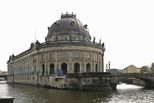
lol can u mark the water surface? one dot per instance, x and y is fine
(31, 94)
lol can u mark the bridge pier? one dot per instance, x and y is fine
(113, 86)
(113, 82)
(88, 81)
(6, 100)
(149, 82)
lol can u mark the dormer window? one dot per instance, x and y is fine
(73, 23)
(56, 24)
(85, 26)
(68, 24)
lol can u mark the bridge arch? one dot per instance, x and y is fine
(148, 79)
(3, 77)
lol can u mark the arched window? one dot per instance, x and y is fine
(96, 68)
(88, 67)
(52, 71)
(76, 68)
(43, 69)
(64, 68)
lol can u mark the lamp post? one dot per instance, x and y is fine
(109, 65)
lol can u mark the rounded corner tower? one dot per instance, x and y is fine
(70, 42)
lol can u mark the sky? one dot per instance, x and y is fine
(125, 26)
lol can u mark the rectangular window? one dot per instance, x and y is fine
(42, 57)
(88, 55)
(96, 57)
(51, 55)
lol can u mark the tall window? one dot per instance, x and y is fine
(52, 71)
(43, 69)
(64, 68)
(76, 68)
(96, 68)
(34, 65)
(51, 55)
(42, 57)
(88, 67)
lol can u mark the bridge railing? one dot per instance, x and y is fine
(90, 74)
(132, 74)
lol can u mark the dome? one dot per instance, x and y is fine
(68, 25)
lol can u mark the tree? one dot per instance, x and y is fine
(144, 69)
(152, 67)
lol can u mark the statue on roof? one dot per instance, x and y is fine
(94, 40)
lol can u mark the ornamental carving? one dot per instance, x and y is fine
(63, 55)
(51, 55)
(77, 56)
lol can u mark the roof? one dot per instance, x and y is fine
(68, 24)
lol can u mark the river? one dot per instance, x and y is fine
(30, 94)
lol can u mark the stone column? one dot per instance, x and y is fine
(56, 62)
(37, 64)
(70, 63)
(93, 63)
(83, 64)
(102, 62)
(46, 64)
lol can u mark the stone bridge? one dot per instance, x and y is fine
(148, 78)
(107, 81)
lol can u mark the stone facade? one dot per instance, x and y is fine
(131, 69)
(67, 49)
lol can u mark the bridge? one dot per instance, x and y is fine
(94, 80)
(100, 80)
(3, 75)
(148, 78)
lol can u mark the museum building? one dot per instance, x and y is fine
(67, 49)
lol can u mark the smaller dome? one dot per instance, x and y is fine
(68, 25)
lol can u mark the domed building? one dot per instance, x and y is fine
(68, 49)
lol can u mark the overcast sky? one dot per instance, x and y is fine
(126, 26)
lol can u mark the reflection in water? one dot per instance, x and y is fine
(127, 93)
(125, 86)
(3, 89)
(32, 94)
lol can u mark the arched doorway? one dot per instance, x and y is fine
(88, 67)
(76, 68)
(64, 68)
(52, 71)
(43, 69)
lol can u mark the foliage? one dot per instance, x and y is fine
(144, 69)
(152, 67)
